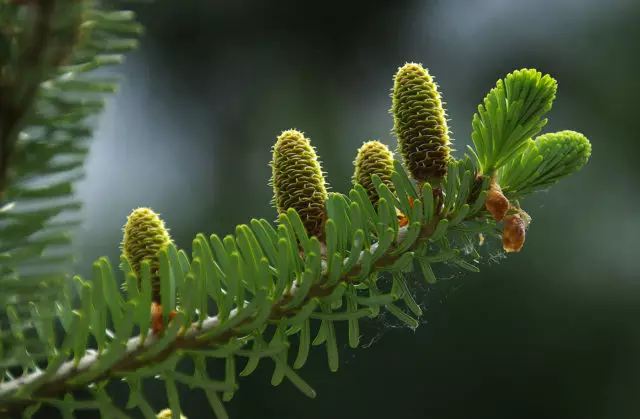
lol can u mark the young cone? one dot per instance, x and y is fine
(420, 124)
(298, 181)
(144, 237)
(373, 158)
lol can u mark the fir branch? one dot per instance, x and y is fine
(12, 114)
(59, 383)
(324, 255)
(44, 115)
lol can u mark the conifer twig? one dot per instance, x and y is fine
(59, 382)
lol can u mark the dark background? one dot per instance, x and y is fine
(551, 332)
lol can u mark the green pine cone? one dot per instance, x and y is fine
(420, 123)
(373, 158)
(546, 160)
(298, 181)
(144, 237)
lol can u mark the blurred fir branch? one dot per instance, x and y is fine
(49, 51)
(246, 295)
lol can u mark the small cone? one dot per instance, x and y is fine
(420, 124)
(373, 158)
(298, 181)
(144, 237)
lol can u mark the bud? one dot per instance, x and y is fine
(374, 158)
(144, 237)
(497, 204)
(420, 124)
(298, 181)
(514, 231)
(403, 220)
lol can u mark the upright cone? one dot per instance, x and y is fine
(144, 237)
(373, 158)
(298, 181)
(420, 124)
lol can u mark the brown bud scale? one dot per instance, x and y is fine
(497, 204)
(514, 233)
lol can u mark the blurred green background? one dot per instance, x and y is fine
(552, 332)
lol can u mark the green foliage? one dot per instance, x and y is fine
(511, 115)
(420, 123)
(544, 162)
(247, 296)
(256, 293)
(48, 95)
(373, 158)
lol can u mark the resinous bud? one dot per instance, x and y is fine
(144, 237)
(514, 231)
(373, 158)
(420, 124)
(497, 204)
(298, 181)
